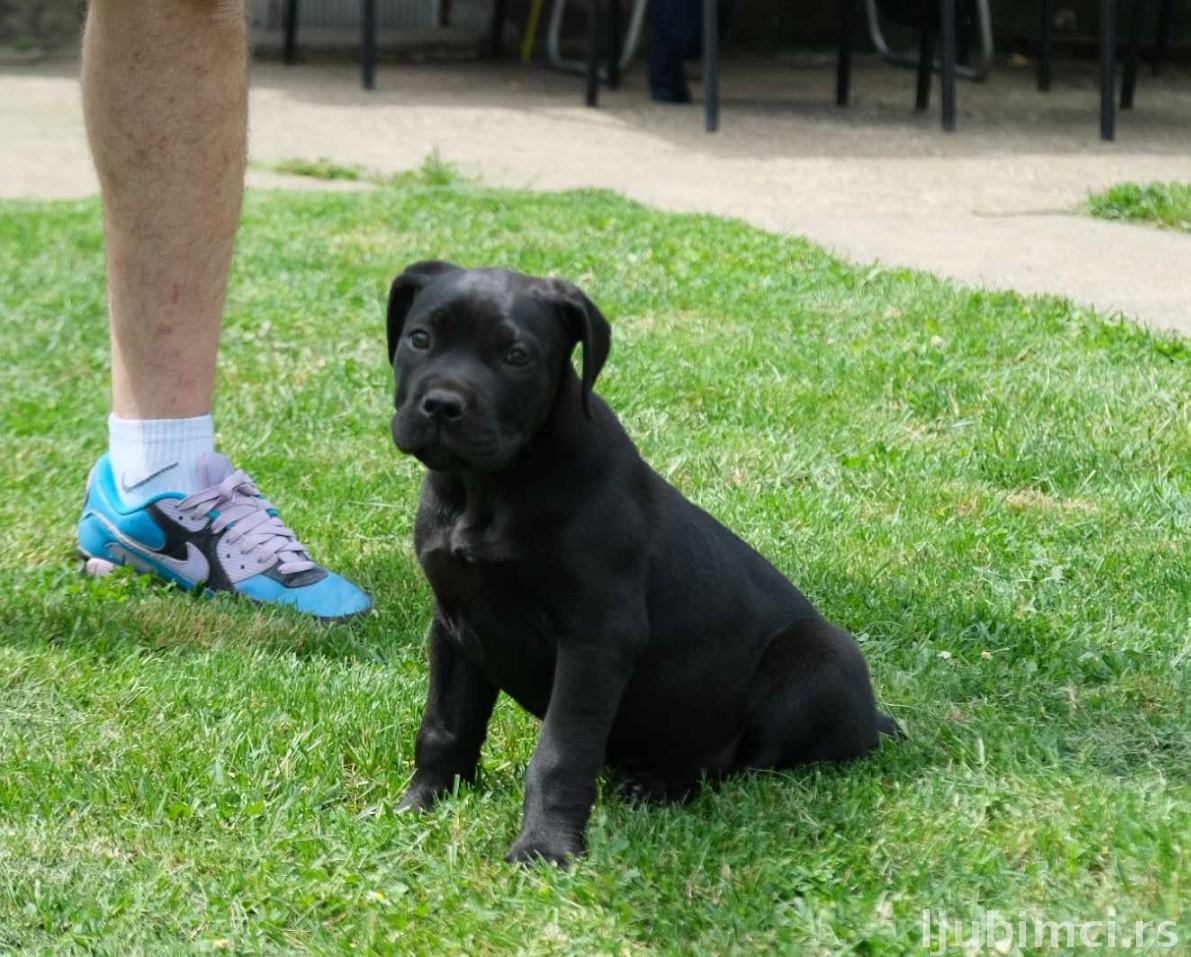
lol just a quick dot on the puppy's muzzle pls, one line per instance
(443, 406)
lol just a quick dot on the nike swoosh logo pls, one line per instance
(194, 568)
(152, 475)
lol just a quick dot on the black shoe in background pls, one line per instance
(675, 36)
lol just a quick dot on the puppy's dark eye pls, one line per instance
(419, 339)
(517, 356)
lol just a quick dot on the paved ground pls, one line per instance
(994, 204)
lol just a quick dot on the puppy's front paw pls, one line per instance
(420, 796)
(557, 849)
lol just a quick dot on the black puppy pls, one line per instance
(571, 576)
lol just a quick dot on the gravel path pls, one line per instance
(995, 204)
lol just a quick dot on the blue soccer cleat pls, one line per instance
(226, 537)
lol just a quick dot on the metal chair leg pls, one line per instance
(947, 86)
(593, 56)
(368, 46)
(926, 62)
(613, 68)
(1108, 68)
(628, 47)
(977, 70)
(711, 65)
(1162, 36)
(1132, 57)
(843, 60)
(290, 23)
(1046, 36)
(496, 38)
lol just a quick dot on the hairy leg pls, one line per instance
(165, 99)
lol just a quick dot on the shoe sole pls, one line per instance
(96, 567)
(101, 567)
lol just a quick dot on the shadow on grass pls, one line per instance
(1041, 702)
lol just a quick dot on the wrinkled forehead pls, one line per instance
(481, 303)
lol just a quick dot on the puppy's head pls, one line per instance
(478, 355)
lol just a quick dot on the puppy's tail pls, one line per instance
(887, 726)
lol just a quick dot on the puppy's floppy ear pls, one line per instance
(405, 289)
(586, 324)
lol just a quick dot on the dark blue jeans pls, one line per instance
(676, 35)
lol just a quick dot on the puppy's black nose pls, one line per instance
(443, 405)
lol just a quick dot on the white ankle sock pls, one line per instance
(151, 456)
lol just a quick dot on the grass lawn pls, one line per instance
(993, 493)
(1160, 204)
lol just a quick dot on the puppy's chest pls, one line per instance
(496, 607)
(453, 544)
(486, 579)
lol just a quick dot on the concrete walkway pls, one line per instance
(993, 205)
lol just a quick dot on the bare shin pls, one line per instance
(165, 98)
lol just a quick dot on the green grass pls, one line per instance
(993, 493)
(321, 168)
(434, 171)
(1160, 204)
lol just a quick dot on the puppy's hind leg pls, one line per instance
(888, 726)
(811, 700)
(646, 787)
